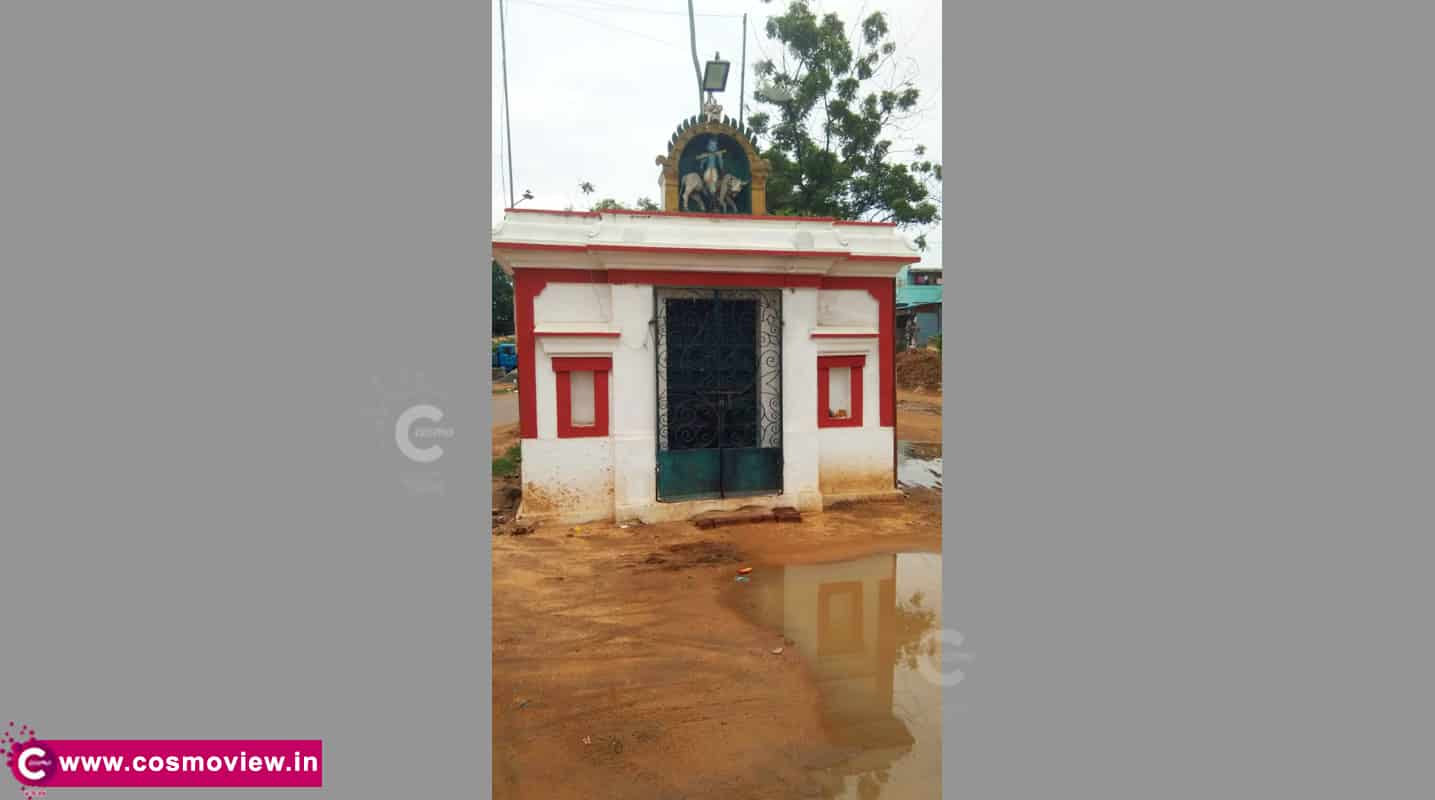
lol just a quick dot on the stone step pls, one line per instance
(746, 516)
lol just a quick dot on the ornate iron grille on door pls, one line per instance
(719, 392)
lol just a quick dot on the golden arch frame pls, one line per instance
(668, 179)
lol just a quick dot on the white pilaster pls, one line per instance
(635, 410)
(800, 451)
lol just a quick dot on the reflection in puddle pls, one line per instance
(862, 626)
(919, 464)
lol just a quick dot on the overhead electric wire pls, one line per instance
(592, 21)
(597, 5)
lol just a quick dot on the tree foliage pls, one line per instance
(834, 104)
(609, 204)
(502, 302)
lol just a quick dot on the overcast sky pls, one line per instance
(596, 87)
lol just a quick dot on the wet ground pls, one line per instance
(626, 665)
(919, 440)
(864, 630)
(919, 416)
(919, 464)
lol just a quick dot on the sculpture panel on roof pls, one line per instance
(712, 167)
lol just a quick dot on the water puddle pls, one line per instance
(864, 627)
(919, 464)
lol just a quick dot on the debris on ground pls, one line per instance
(747, 515)
(506, 497)
(777, 651)
(705, 551)
(742, 516)
(919, 370)
(786, 514)
(743, 579)
(744, 570)
(513, 528)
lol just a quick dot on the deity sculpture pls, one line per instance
(710, 185)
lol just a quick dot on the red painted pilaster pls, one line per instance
(526, 286)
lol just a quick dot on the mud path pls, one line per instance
(619, 672)
(919, 416)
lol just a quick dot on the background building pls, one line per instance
(919, 304)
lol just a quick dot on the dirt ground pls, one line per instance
(621, 672)
(507, 491)
(919, 416)
(504, 437)
(621, 669)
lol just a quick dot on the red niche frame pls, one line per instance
(564, 367)
(825, 365)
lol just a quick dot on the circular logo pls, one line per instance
(930, 654)
(405, 433)
(34, 763)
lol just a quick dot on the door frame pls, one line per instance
(769, 300)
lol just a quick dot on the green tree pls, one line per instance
(502, 302)
(833, 109)
(609, 204)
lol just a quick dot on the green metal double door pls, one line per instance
(719, 386)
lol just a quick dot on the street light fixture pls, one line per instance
(715, 74)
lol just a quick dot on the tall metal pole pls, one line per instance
(742, 79)
(507, 115)
(697, 70)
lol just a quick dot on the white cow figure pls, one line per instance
(728, 189)
(693, 184)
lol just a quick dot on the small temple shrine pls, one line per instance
(705, 357)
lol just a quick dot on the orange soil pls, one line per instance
(620, 673)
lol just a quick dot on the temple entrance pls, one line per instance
(719, 361)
